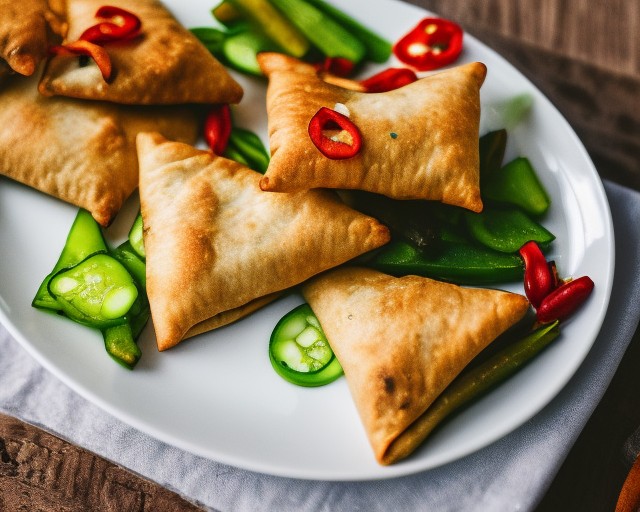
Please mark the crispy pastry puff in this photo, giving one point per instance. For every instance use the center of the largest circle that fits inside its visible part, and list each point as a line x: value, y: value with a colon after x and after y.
x: 418, y: 142
x: 81, y: 152
x: 27, y: 29
x: 401, y: 341
x: 164, y: 64
x: 215, y: 243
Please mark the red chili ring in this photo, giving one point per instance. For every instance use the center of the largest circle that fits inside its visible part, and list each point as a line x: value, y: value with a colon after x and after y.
x: 326, y: 119
x: 431, y: 44
x: 107, y: 31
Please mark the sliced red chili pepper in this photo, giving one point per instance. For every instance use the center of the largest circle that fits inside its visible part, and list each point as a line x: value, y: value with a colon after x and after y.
x: 564, y: 300
x: 555, y: 277
x: 217, y: 128
x: 122, y: 25
x: 538, y: 279
x: 332, y: 147
x: 338, y: 66
x: 389, y: 79
x: 97, y: 53
x: 432, y: 44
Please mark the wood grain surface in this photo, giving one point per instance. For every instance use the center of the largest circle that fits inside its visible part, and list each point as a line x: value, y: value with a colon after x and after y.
x: 41, y: 472
x: 585, y: 56
x: 596, y: 32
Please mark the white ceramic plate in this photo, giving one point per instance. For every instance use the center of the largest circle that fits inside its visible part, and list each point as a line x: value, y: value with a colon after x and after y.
x: 217, y: 396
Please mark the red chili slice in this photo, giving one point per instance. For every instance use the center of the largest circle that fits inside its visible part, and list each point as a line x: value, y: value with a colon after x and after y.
x: 564, y: 300
x: 217, y: 128
x: 338, y: 66
x: 122, y: 25
x: 389, y: 79
x: 432, y: 44
x: 97, y: 53
x: 538, y: 278
x: 326, y: 119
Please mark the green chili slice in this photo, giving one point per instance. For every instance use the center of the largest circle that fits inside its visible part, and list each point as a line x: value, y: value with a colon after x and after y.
x: 299, y: 351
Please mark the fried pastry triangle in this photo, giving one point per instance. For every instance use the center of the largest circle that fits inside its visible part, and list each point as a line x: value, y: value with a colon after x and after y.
x: 81, y: 152
x: 401, y: 341
x: 26, y: 31
x: 216, y: 244
x: 418, y: 142
x: 164, y: 64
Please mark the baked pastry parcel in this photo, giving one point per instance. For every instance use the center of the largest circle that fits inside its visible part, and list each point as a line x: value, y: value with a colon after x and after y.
x: 164, y: 64
x: 401, y: 341
x: 27, y: 28
x: 418, y: 142
x: 217, y: 247
x: 81, y: 152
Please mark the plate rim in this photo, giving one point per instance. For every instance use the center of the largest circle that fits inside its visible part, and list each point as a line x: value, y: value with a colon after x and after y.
x: 410, y: 466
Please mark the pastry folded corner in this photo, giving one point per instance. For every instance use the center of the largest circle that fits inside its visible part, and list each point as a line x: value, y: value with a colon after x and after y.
x: 418, y: 142
x: 80, y: 152
x: 401, y: 341
x: 216, y: 245
x: 164, y: 64
x: 27, y: 28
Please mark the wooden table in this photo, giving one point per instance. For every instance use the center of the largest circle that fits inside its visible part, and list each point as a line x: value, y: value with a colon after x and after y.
x: 585, y: 56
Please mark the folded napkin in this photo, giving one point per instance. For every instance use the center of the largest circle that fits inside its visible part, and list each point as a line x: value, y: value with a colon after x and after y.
x: 510, y: 474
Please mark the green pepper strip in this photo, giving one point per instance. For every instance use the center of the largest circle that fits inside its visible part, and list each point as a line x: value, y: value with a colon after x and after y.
x: 456, y: 262
x: 97, y: 292
x: 84, y: 239
x: 246, y: 147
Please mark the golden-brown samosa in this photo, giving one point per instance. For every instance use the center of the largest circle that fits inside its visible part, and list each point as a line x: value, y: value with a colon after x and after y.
x: 81, y: 152
x: 27, y: 29
x: 418, y: 142
x: 401, y: 341
x: 215, y: 243
x: 164, y: 64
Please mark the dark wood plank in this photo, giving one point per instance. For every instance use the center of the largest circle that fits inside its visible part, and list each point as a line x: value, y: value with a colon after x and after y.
x: 600, y: 33
x: 41, y: 472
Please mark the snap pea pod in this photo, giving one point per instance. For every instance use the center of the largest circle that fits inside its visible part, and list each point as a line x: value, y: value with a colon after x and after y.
x: 474, y: 383
x: 506, y: 229
x: 517, y: 183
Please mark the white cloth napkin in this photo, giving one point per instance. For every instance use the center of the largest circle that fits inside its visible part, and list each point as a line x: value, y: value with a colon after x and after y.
x: 511, y: 474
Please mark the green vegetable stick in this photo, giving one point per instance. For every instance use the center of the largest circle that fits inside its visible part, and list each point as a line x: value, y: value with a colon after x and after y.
x: 472, y: 384
x: 378, y: 48
x: 274, y: 25
x: 331, y: 38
